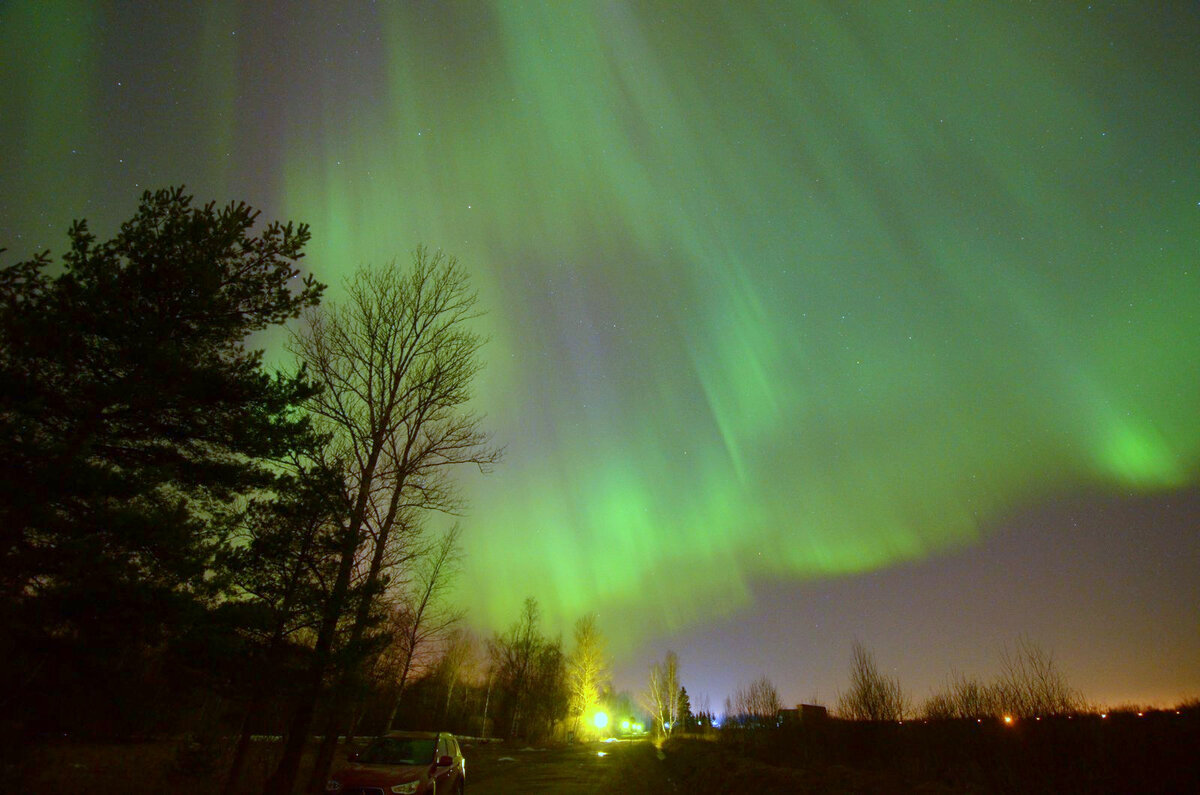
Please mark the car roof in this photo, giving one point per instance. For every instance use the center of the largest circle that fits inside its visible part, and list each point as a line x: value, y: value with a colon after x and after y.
x: 414, y: 735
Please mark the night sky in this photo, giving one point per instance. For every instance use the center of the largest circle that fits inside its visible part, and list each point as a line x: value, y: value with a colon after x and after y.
x: 809, y: 323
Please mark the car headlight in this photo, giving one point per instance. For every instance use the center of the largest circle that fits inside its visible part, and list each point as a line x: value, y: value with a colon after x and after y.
x: 406, y: 789
x: 333, y: 785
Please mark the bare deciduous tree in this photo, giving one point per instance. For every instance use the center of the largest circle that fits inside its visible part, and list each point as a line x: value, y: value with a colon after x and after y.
x: 661, y: 697
x: 397, y: 359
x: 547, y: 703
x: 1031, y: 684
x: 872, y: 695
x: 457, y: 655
x: 528, y: 675
x: 424, y: 615
x: 964, y: 697
x: 755, y: 705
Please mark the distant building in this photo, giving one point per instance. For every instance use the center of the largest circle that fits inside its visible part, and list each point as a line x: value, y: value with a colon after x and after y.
x: 803, y: 713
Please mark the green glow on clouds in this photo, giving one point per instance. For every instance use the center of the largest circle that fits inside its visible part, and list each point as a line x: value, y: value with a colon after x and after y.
x: 774, y: 292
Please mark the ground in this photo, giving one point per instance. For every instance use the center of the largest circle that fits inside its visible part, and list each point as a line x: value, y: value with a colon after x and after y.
x: 492, y: 769
x: 1124, y: 753
x: 501, y: 768
x: 692, y: 767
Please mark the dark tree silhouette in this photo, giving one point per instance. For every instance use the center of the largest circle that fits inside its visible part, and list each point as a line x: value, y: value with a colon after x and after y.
x: 753, y: 706
x: 279, y: 571
x: 423, y: 617
x: 872, y: 694
x: 529, y: 675
x: 398, y: 359
x: 687, y: 721
x: 132, y: 414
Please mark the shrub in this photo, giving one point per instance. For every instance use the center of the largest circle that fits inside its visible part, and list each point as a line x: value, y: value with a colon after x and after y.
x: 872, y: 696
x: 1031, y: 684
x: 754, y: 706
x: 965, y: 697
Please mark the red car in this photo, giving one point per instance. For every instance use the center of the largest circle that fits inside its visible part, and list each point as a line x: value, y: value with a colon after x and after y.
x: 404, y: 763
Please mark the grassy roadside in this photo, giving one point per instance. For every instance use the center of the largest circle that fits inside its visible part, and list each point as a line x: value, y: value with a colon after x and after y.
x: 1125, y: 753
x: 708, y: 767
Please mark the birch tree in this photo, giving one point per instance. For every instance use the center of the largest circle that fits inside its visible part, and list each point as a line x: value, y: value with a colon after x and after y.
x: 661, y: 698
x: 587, y: 669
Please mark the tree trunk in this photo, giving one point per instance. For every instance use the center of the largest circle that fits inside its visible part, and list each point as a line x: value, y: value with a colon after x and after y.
x: 449, y: 694
x: 338, y: 712
x: 487, y: 701
x: 325, y: 751
x: 355, y: 716
x: 283, y: 780
x: 266, y: 687
x: 243, y: 745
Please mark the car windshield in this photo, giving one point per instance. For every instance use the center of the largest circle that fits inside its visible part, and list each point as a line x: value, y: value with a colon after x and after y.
x: 398, y: 751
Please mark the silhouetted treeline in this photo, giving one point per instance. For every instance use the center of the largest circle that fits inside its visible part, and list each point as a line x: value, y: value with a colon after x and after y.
x: 517, y: 684
x: 1080, y: 753
x: 1027, y: 730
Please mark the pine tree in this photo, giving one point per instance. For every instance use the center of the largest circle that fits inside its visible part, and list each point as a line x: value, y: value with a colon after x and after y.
x: 132, y: 417
x: 684, y: 711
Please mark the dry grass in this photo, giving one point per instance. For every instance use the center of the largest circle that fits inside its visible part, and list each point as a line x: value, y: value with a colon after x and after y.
x: 141, y: 767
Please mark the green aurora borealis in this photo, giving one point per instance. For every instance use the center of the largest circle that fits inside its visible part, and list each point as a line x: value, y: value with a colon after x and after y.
x: 776, y: 292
